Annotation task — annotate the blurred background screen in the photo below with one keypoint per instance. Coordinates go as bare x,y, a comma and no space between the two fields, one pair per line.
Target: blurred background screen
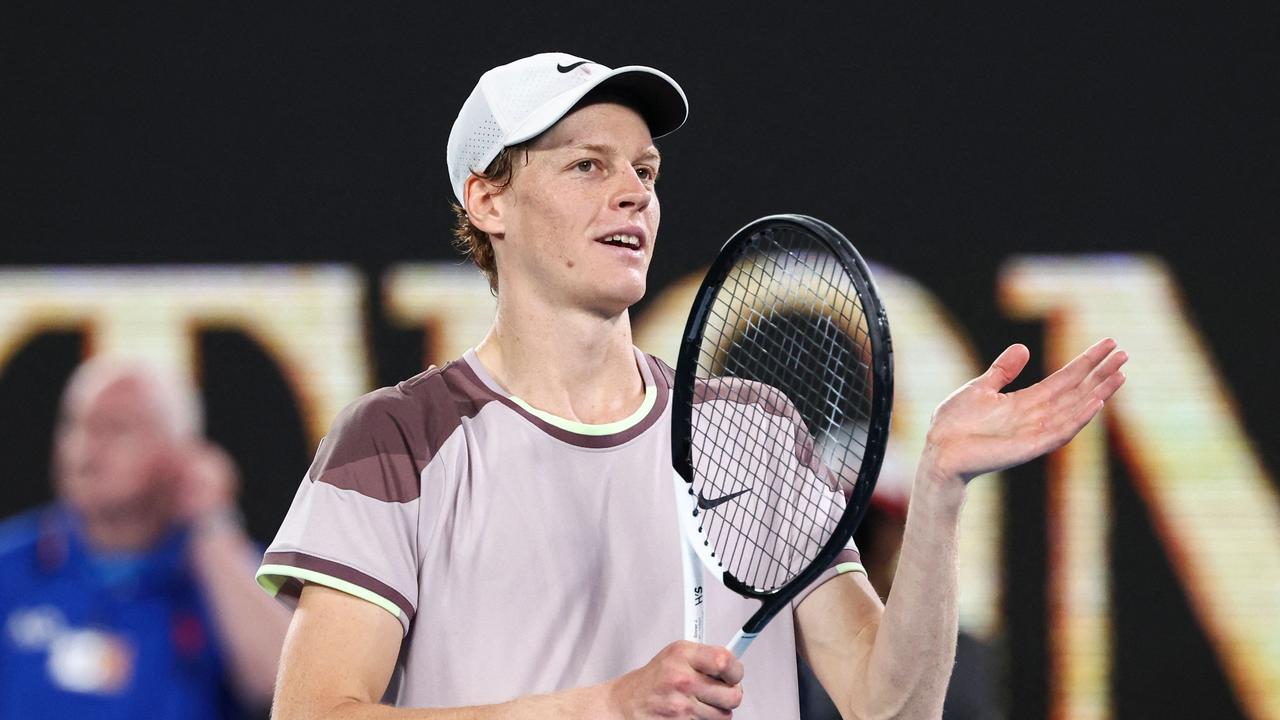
258,197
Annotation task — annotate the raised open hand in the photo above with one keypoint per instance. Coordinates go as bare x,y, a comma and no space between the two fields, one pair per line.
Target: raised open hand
979,429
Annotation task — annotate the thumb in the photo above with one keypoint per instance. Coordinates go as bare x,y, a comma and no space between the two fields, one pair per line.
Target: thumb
1005,368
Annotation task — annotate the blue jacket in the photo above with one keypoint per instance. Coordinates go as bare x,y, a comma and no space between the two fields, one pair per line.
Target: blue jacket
94,636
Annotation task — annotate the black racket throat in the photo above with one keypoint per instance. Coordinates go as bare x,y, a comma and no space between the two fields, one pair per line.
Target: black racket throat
781,405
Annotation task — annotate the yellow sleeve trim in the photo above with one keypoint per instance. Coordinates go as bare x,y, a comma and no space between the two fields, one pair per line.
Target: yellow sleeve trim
271,578
846,567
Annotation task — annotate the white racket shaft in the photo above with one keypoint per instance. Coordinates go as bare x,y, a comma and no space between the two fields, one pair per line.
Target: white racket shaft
694,607
691,564
696,552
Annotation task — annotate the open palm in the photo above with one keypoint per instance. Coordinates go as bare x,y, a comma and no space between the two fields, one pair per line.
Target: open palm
979,429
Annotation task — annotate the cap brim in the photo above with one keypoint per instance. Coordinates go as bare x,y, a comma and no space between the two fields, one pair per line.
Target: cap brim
657,97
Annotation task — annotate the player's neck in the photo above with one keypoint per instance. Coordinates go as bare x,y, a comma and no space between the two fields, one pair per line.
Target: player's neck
573,364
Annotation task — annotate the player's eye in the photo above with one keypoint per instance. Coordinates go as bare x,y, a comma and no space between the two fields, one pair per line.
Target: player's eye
585,165
646,173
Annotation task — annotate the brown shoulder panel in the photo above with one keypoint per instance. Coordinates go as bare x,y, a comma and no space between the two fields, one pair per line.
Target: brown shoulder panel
379,444
663,373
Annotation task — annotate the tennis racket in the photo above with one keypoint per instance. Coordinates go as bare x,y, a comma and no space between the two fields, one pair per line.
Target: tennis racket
780,414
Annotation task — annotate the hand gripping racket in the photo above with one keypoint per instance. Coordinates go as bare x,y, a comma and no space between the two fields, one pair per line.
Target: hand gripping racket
780,413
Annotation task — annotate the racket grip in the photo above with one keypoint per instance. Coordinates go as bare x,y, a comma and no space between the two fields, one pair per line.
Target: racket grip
740,643
694,610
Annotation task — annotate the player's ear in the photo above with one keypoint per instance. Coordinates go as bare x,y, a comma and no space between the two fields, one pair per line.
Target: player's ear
482,206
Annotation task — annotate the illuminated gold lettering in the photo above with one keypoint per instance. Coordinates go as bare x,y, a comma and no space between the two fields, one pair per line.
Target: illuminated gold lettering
449,300
307,318
1215,510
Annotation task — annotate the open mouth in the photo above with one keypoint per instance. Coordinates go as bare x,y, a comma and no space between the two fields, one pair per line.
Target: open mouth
631,242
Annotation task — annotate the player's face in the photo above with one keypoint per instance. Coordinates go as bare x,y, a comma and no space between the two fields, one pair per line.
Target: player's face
581,216
110,449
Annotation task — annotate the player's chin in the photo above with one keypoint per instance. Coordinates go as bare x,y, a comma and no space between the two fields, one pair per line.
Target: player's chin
627,286
617,297
632,292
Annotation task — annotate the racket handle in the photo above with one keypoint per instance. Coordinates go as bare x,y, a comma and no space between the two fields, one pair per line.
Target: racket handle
740,643
690,565
694,610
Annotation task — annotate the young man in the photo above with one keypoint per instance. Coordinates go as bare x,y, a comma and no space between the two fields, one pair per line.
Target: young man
484,540
133,594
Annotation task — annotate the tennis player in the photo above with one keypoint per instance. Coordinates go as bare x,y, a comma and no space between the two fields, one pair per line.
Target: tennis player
496,538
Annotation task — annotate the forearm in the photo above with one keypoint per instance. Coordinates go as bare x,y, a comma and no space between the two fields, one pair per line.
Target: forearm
340,653
910,661
249,623
902,660
583,703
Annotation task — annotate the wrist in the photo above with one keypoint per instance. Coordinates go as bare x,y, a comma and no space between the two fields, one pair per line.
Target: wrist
936,485
602,702
586,703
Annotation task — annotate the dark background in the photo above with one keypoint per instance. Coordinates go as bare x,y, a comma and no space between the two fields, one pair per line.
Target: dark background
942,140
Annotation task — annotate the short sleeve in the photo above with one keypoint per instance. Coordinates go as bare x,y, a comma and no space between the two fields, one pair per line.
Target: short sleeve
353,524
846,561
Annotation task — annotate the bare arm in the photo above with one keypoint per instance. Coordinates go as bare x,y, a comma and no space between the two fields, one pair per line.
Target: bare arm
889,661
249,624
340,652
896,663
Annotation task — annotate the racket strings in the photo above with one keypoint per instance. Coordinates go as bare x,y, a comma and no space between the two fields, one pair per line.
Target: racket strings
785,388
790,509
757,479
824,272
799,540
813,383
741,443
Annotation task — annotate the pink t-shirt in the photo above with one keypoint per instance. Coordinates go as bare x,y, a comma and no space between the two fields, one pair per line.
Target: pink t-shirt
521,553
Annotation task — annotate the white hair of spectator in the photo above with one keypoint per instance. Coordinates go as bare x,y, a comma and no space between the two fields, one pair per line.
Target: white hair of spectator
172,396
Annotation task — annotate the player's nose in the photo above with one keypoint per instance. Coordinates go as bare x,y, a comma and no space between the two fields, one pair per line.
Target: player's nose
632,193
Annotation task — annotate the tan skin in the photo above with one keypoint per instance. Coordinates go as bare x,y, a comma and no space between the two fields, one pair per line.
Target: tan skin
562,318
897,665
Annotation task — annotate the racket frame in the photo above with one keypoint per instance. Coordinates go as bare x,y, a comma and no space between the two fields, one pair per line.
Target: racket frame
682,411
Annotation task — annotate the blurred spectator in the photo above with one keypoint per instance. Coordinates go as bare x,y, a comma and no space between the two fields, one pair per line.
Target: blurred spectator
132,595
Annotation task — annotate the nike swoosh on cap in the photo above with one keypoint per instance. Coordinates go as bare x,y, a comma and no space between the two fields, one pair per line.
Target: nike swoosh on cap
706,504
567,68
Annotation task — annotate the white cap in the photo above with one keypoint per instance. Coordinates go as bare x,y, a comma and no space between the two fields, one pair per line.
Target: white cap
515,102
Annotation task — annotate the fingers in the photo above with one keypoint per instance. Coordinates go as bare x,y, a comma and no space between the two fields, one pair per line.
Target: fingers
716,662
1106,373
1005,368
1075,372
1109,386
684,680
717,702
714,690
1101,383
1095,400
703,711
205,481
